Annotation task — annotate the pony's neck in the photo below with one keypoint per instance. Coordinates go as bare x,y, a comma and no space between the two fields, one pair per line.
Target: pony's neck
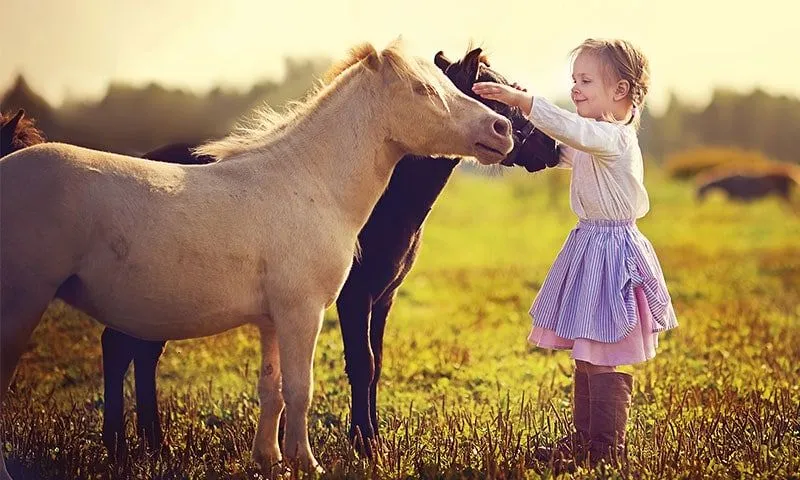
342,144
416,184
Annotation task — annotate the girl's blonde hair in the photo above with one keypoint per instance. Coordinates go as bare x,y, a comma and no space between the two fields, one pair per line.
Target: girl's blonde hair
622,61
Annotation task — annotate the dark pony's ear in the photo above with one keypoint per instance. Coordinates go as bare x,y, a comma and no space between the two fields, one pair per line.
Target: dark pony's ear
441,61
7,132
11,126
471,63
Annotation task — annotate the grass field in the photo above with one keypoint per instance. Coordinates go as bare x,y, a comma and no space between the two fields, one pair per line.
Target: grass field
463,395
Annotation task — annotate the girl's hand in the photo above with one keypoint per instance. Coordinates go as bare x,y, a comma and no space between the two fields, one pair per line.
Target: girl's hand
503,93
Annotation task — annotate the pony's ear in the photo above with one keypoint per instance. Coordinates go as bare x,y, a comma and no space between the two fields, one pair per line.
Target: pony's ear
373,60
7,133
441,61
471,62
12,124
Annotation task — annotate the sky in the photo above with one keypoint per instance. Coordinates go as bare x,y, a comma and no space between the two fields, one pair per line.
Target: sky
73,49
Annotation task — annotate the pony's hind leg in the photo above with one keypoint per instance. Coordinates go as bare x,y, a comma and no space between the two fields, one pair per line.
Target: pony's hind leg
145,360
266,450
298,328
117,356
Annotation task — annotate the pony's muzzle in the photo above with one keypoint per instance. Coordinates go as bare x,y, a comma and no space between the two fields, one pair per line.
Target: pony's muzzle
495,141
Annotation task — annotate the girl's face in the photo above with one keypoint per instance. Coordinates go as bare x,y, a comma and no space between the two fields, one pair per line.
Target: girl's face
590,94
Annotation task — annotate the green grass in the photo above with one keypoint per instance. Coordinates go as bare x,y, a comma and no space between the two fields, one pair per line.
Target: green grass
463,395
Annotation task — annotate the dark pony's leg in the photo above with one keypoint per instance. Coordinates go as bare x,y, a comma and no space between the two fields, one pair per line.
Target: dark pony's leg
354,305
117,356
146,356
380,311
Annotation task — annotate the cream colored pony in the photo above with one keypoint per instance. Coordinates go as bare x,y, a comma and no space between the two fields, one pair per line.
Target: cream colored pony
264,236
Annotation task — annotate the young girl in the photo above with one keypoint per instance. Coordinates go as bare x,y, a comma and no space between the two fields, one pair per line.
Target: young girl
605,297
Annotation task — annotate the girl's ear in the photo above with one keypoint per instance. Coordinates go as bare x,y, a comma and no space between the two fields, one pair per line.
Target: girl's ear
622,90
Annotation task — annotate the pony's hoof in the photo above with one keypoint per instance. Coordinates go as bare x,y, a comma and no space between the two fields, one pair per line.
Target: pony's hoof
268,462
279,470
364,445
308,465
117,454
315,467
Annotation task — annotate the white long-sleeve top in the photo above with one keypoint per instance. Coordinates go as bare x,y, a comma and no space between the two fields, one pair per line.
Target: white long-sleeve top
606,161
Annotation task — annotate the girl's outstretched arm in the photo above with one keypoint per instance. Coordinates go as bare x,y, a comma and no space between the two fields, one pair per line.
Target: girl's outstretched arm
510,95
599,138
604,139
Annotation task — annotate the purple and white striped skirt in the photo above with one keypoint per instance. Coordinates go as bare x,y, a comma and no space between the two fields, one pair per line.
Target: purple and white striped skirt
605,296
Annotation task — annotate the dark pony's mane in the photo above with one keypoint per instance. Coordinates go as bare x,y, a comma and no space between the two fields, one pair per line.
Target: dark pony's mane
25,134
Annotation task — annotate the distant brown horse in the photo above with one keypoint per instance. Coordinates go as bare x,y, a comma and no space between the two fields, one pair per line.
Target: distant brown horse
747,187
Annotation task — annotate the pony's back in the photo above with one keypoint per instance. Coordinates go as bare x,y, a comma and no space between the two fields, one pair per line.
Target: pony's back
181,153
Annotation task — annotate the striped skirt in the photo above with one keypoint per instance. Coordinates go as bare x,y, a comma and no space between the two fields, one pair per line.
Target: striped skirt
605,296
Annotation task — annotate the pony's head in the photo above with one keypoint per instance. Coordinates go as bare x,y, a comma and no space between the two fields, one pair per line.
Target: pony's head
428,115
532,149
18,132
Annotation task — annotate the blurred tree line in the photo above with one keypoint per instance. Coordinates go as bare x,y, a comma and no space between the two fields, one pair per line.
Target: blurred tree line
753,121
134,120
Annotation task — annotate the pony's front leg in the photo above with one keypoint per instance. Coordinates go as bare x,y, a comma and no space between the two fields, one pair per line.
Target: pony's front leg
19,315
379,314
266,450
298,328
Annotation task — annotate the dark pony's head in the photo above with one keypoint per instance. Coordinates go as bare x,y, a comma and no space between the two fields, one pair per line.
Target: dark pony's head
18,132
532,149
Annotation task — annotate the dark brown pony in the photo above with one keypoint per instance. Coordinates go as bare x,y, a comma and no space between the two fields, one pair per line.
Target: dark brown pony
747,187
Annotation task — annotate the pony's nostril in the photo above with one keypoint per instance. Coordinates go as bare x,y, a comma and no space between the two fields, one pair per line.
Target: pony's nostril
502,126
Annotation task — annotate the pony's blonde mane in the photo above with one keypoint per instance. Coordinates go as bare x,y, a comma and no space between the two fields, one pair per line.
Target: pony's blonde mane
357,54
264,124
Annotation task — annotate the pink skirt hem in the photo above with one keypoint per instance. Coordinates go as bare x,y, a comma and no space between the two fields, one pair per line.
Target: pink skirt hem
638,346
